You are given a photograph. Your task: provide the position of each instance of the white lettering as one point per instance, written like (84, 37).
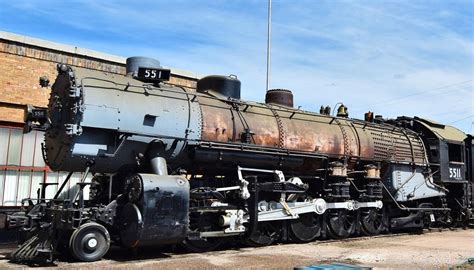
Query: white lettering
(455, 173)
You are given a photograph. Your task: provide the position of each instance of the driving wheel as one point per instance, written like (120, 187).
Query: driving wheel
(306, 228)
(266, 234)
(372, 221)
(341, 223)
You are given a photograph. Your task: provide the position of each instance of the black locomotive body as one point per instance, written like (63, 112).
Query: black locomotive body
(174, 166)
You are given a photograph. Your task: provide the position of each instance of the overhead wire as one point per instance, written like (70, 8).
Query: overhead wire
(426, 91)
(416, 94)
(464, 118)
(455, 111)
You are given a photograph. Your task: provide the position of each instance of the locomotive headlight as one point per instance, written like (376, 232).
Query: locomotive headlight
(320, 206)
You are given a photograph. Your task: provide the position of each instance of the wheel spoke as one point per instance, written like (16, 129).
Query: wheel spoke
(267, 233)
(340, 224)
(372, 222)
(306, 228)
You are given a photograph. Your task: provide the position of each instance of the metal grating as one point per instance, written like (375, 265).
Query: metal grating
(393, 144)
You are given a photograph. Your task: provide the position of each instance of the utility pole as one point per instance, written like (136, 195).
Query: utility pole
(269, 42)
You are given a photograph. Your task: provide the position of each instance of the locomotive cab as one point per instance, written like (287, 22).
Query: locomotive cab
(445, 150)
(450, 159)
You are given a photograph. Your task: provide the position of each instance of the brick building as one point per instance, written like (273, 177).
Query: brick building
(22, 61)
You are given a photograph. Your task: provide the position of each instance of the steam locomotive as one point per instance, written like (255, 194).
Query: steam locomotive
(201, 168)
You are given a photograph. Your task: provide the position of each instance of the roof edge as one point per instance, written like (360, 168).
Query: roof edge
(46, 44)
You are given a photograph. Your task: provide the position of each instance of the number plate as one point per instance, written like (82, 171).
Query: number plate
(153, 74)
(39, 113)
(455, 173)
(432, 218)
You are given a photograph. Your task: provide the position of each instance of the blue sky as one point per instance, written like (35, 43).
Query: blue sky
(390, 57)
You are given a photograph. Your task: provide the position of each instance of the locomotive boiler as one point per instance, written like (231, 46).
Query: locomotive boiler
(197, 168)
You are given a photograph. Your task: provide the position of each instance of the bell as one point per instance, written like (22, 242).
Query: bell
(342, 111)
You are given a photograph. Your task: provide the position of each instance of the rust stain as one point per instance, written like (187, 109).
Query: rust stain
(217, 124)
(313, 133)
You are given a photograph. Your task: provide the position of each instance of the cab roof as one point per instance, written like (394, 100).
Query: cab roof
(442, 131)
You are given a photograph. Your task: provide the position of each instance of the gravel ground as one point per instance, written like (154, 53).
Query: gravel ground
(434, 250)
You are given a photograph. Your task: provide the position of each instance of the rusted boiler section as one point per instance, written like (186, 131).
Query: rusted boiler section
(284, 127)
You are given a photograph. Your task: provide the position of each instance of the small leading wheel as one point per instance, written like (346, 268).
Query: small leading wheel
(90, 242)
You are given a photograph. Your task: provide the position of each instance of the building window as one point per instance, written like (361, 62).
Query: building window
(14, 147)
(4, 140)
(22, 169)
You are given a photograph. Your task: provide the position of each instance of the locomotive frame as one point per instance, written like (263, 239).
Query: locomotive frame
(172, 166)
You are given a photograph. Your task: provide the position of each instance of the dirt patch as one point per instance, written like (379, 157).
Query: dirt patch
(438, 250)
